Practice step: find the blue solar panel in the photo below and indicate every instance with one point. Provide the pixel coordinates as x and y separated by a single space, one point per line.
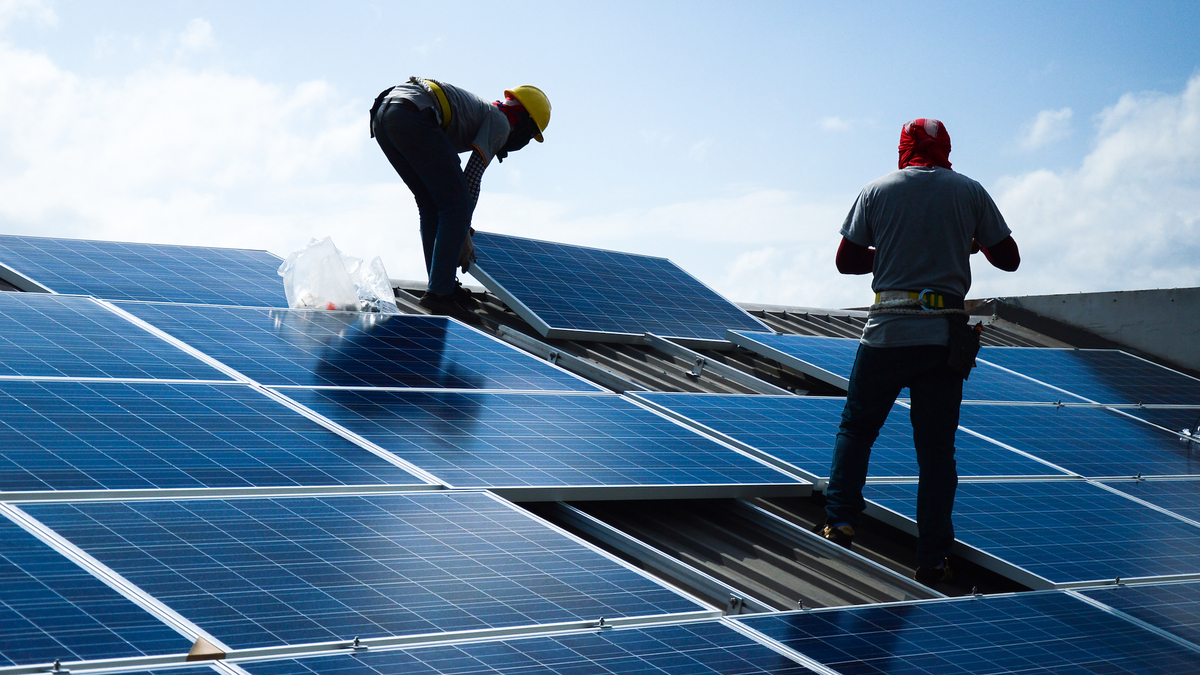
104 435
1026 633
1101 375
151 272
800 430
51 608
1093 442
831 359
697 649
1177 496
308 347
1173 607
44 335
588 293
499 440
1064 532
261 572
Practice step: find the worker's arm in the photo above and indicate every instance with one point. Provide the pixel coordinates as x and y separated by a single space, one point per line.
855 259
1003 255
474 173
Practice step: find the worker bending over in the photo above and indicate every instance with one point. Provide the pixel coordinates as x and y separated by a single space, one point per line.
422 126
915 230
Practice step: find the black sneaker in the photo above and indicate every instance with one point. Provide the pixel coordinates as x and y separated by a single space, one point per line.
936 574
448 305
842 535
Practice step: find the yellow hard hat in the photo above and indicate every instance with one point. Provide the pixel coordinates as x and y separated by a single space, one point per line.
535 103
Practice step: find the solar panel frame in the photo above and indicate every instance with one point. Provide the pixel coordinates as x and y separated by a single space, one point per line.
286 571
651 305
799 432
549 445
1038 632
1089 440
102 435
1054 534
66 336
52 608
697 648
152 272
1084 371
291 347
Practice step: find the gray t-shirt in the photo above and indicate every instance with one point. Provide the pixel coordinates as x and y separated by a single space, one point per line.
474 123
921 221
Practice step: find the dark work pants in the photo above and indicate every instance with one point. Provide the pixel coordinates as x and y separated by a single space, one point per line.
878 376
425 159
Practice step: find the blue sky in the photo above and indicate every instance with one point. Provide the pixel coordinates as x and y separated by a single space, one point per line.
729 137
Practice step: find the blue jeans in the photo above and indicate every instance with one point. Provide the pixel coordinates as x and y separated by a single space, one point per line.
878 376
425 159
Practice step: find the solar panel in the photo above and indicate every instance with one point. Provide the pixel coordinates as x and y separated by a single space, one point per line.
1101 375
1173 419
60 435
1181 497
1090 441
285 571
1060 532
151 272
52 608
707 648
830 360
584 293
517 440
800 430
1024 633
318 348
43 335
1173 607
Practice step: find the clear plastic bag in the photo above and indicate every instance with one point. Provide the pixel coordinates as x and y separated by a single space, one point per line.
319 276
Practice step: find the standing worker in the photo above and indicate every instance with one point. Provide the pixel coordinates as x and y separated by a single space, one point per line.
422 126
915 229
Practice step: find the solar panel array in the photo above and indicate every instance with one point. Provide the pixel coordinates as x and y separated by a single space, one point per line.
181 461
130 271
594 294
254 477
1048 632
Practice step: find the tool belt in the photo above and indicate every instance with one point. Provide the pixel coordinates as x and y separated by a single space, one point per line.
963 345
443 104
928 299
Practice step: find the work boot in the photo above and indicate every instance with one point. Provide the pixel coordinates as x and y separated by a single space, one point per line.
839 533
448 305
464 297
935 574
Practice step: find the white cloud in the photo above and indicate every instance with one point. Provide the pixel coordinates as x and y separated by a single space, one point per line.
1048 127
38 10
1127 218
835 124
175 155
699 150
197 36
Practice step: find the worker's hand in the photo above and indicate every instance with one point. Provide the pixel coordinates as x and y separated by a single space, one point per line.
466 255
974 247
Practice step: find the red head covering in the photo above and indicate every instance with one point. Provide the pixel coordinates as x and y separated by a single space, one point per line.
924 142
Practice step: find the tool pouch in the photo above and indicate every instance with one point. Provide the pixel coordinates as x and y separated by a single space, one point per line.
964 344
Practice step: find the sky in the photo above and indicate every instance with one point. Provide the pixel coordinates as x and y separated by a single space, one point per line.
731 138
